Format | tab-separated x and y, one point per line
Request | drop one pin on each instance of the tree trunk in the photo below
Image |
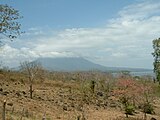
126	115
145	116
31	91
4	110
44	116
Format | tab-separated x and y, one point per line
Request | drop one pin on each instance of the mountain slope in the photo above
69	64
78	64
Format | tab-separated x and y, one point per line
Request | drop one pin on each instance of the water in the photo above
143	73
139	73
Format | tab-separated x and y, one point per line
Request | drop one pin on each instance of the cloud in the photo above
140	11
119	54
14	56
125	38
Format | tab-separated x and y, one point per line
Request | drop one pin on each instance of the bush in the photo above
92	86
148	108
130	109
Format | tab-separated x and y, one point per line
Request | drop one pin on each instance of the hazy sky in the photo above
109	32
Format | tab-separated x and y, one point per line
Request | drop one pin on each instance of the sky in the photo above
114	33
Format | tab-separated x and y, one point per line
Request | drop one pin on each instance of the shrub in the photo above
130	109
92	86
148	108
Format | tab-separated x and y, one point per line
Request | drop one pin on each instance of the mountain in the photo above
69	64
78	64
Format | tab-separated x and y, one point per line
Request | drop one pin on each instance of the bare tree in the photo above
31	69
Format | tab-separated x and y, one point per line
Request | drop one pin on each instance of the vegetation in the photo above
9	24
32	70
77	95
10	28
156	55
73	95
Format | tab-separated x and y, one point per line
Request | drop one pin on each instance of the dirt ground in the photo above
57	100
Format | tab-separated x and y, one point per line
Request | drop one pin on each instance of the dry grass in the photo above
59	99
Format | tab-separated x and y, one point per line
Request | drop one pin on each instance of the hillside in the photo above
59	97
69	64
79	64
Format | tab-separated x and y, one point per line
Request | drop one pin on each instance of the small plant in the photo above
78	117
44	116
129	110
148	108
92	86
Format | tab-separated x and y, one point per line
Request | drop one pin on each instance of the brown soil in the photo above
58	100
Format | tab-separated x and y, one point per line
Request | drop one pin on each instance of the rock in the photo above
72	105
10	104
23	92
113	105
1	89
100	94
39	97
5	93
58	117
65	108
18	94
153	118
79	108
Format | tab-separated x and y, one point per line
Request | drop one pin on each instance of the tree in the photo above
9	24
126	92
156	55
134	94
31	69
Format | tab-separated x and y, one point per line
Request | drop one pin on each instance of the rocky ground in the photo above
60	100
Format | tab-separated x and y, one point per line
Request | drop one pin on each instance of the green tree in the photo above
9	24
156	55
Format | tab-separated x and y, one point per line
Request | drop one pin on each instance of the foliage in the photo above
132	93
9	24
148	108
130	109
156	55
125	90
125	73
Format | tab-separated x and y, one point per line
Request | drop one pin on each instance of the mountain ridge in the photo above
79	64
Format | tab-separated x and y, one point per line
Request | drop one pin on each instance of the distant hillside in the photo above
69	64
79	64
